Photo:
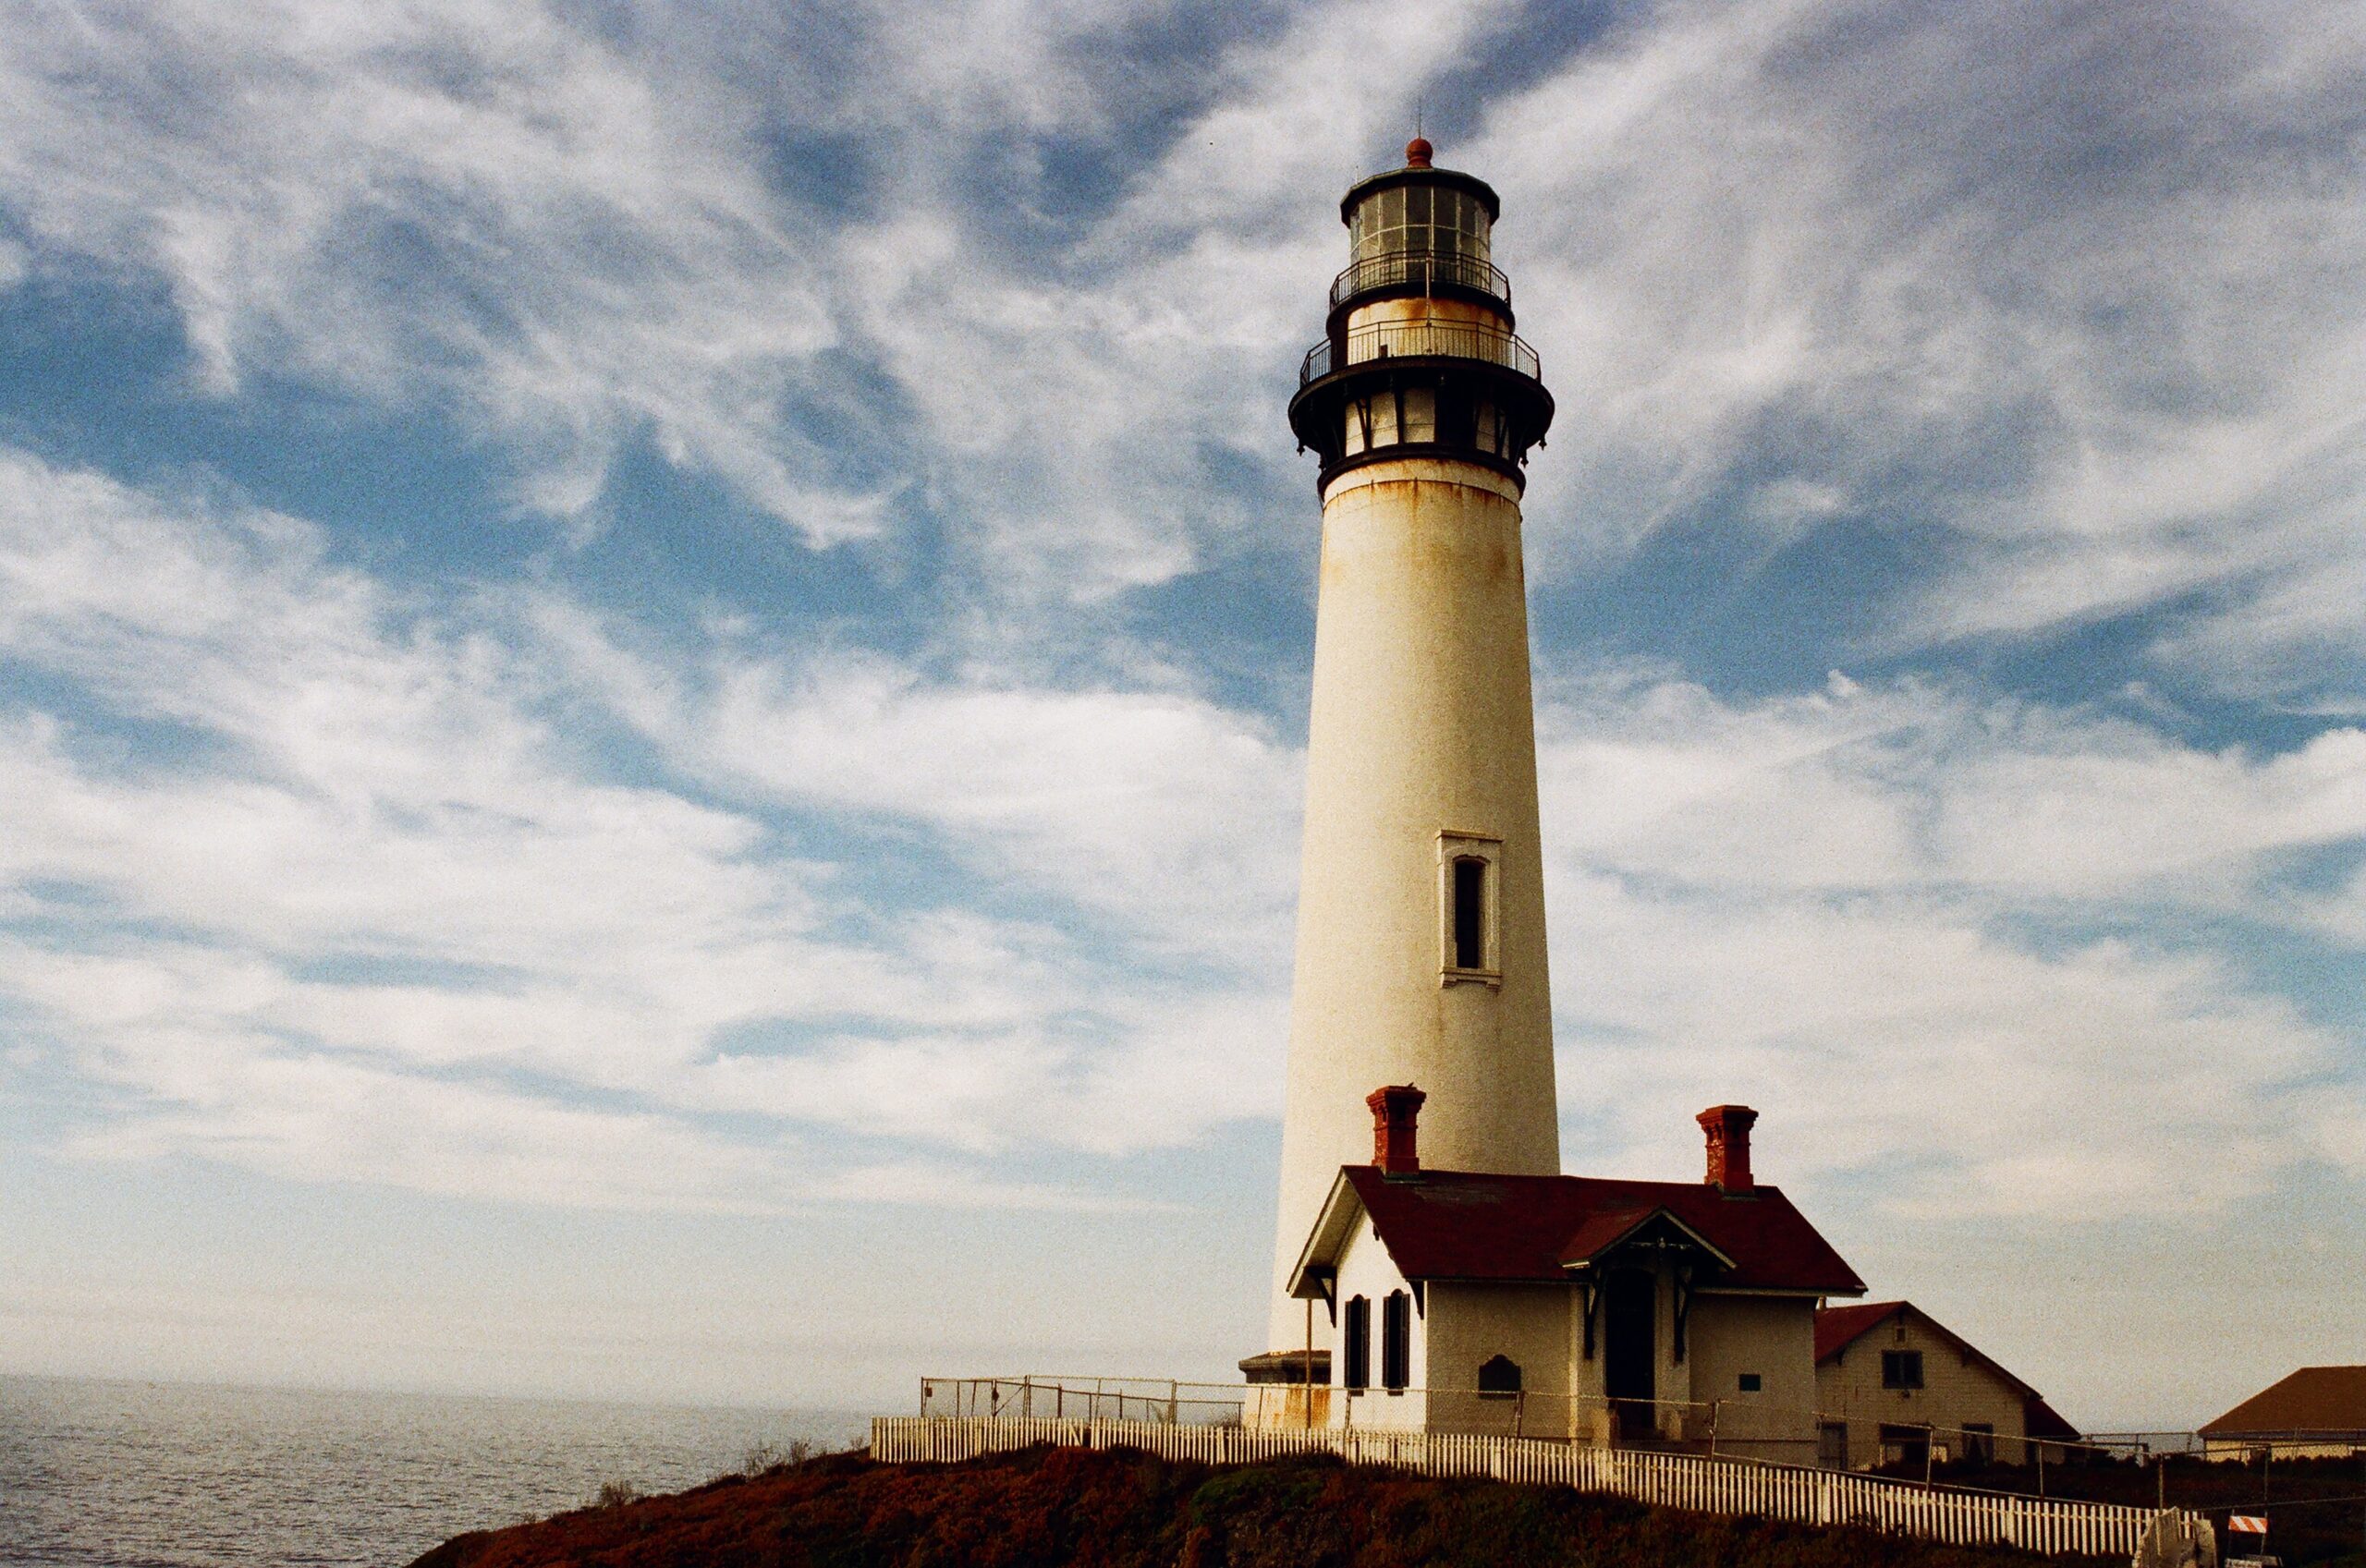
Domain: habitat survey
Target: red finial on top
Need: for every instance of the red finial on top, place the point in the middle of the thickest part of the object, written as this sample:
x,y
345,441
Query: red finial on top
x,y
1417,153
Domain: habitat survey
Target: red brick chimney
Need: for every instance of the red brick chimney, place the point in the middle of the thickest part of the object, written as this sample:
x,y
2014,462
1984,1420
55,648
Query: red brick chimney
x,y
1394,1110
1728,1130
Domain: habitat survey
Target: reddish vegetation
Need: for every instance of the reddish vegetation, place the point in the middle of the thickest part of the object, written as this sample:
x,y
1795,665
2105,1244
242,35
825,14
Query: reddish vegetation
x,y
1120,1509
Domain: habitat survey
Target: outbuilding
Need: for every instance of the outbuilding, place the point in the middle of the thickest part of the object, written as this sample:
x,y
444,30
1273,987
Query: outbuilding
x,y
1894,1385
2315,1413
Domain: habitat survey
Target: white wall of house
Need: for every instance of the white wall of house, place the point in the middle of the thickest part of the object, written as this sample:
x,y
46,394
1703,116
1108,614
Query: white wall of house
x,y
1366,1269
1470,1324
1772,1339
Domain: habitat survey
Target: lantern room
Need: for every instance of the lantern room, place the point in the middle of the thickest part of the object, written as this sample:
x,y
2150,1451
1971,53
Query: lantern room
x,y
1419,359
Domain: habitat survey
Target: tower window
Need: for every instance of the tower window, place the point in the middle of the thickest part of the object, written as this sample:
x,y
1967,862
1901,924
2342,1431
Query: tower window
x,y
1469,894
1356,1364
1470,913
1395,1341
1498,1377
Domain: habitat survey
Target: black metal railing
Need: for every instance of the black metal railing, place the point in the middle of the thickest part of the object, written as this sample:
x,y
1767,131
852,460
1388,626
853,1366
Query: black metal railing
x,y
1419,269
1400,340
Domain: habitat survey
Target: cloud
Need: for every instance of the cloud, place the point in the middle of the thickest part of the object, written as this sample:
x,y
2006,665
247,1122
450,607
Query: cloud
x,y
838,263
1921,784
1162,811
306,849
470,206
2079,291
2071,300
1957,949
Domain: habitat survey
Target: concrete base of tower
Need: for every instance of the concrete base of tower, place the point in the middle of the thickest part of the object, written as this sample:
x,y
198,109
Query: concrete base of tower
x,y
1286,1388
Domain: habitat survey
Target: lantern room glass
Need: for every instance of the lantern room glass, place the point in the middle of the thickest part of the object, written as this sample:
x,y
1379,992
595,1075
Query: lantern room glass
x,y
1421,220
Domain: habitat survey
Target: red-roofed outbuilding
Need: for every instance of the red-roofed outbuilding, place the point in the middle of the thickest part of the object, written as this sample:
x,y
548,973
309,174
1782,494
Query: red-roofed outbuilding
x,y
1892,1382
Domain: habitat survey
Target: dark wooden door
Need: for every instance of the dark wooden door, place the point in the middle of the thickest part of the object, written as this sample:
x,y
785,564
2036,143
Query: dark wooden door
x,y
1631,1348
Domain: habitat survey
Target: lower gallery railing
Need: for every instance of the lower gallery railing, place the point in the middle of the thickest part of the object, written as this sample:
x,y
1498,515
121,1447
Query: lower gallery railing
x,y
1670,1480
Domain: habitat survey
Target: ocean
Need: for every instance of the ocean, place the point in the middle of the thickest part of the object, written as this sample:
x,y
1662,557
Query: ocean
x,y
136,1475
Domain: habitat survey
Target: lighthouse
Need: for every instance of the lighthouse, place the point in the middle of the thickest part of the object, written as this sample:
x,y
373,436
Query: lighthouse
x,y
1421,957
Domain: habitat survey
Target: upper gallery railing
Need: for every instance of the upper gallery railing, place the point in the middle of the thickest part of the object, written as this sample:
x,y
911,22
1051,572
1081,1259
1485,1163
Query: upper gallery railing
x,y
1396,340
1425,269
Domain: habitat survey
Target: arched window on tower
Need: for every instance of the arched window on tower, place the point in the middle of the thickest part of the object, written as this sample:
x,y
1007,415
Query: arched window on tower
x,y
1470,913
1355,1373
1470,902
1468,868
1498,1378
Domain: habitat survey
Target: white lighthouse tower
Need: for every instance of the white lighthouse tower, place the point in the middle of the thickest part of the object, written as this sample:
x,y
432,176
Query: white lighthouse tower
x,y
1420,934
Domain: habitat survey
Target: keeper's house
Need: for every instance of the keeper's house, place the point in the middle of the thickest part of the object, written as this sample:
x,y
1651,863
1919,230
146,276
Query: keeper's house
x,y
1895,1386
1567,1306
2316,1413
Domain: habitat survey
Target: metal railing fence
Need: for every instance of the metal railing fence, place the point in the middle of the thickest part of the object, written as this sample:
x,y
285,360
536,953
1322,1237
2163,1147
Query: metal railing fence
x,y
1428,339
1424,269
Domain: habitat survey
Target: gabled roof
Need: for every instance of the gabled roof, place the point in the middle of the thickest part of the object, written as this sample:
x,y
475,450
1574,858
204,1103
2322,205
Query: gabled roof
x,y
1468,1225
2314,1399
1837,1328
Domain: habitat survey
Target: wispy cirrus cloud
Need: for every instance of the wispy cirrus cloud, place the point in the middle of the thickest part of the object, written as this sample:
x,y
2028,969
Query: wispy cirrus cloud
x,y
1999,277
389,864
2003,275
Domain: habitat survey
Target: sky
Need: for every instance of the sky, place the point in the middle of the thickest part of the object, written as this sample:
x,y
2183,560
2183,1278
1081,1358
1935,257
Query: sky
x,y
653,667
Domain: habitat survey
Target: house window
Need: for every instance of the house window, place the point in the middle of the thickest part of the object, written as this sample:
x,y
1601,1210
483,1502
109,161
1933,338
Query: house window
x,y
1909,1446
1469,874
1498,1378
1980,1442
1395,1341
1901,1368
1356,1375
1752,1382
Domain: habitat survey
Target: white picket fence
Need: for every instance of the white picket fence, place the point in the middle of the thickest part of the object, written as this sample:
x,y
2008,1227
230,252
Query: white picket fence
x,y
1789,1492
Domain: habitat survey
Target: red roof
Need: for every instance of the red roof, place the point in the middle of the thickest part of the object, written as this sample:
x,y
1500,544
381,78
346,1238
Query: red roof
x,y
1837,1328
2044,1421
1467,1225
2314,1399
